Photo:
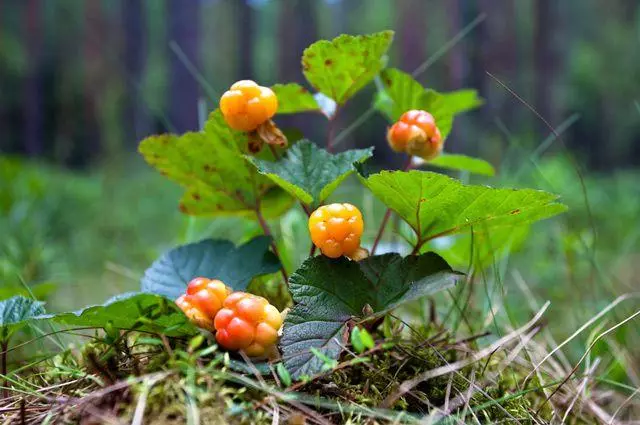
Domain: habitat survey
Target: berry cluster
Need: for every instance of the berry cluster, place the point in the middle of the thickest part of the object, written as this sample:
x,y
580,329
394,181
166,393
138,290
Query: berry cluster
x,y
246,105
416,133
241,321
336,229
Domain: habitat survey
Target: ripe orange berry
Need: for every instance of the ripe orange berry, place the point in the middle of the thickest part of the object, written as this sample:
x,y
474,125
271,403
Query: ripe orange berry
x,y
203,299
246,105
248,323
336,229
416,134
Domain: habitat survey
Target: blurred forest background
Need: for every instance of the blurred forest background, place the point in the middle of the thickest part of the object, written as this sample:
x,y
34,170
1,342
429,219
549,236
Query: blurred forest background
x,y
83,81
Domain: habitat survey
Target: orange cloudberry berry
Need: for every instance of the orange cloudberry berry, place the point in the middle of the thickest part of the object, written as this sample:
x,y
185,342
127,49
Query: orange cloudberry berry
x,y
416,133
202,300
336,229
249,323
246,105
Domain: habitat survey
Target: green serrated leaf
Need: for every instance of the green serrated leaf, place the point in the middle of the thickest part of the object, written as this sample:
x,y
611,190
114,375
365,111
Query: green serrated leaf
x,y
435,205
143,312
341,67
402,93
293,99
214,259
487,247
210,165
15,312
327,293
464,163
309,173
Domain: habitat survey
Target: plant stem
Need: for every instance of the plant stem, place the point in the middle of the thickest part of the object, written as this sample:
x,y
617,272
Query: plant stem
x,y
331,130
383,225
274,247
387,214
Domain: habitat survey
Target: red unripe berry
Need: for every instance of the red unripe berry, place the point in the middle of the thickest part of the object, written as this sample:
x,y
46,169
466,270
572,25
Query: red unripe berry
x,y
416,133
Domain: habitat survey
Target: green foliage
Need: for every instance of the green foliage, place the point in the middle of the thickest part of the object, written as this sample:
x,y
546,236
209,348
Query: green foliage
x,y
14,314
435,205
402,93
464,163
293,99
310,173
132,311
214,259
211,167
328,293
341,67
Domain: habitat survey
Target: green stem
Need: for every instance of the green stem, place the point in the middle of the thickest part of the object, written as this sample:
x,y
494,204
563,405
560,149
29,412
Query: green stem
x,y
274,247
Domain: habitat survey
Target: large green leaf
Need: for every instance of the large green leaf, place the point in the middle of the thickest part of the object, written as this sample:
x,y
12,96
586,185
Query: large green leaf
x,y
132,311
484,248
341,67
214,259
310,173
435,205
464,163
210,165
293,99
327,293
15,312
402,93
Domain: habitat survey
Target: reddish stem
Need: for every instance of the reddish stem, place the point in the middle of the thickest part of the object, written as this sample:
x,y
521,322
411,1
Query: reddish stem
x,y
274,247
383,225
387,214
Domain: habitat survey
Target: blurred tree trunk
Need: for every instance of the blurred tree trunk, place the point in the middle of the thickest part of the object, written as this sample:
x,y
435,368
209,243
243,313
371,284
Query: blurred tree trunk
x,y
411,33
545,58
94,79
297,30
136,117
245,27
183,87
32,106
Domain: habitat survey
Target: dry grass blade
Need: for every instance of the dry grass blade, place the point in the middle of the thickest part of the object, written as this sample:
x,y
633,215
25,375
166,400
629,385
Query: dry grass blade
x,y
453,367
611,329
582,328
580,388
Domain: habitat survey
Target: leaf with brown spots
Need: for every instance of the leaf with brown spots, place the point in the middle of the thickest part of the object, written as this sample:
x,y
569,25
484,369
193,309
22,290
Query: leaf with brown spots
x,y
341,67
210,165
293,99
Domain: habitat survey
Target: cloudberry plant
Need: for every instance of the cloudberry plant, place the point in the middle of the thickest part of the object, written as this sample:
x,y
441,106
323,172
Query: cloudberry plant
x,y
248,323
202,300
416,133
336,229
246,105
